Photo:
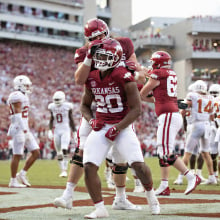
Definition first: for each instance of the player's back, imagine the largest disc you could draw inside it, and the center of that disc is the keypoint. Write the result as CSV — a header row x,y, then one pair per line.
x,y
166,93
202,106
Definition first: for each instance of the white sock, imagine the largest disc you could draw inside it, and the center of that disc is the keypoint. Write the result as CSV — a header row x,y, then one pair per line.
x,y
99,205
120,192
23,172
68,192
199,172
189,175
164,183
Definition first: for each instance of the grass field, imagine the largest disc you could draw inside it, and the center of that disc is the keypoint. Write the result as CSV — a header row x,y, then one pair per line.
x,y
46,172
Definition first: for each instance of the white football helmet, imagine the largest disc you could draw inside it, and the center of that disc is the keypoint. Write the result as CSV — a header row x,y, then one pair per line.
x,y
200,86
191,87
214,90
58,97
23,83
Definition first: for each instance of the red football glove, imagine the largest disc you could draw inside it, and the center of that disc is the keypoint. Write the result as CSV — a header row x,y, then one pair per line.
x,y
112,133
96,124
93,46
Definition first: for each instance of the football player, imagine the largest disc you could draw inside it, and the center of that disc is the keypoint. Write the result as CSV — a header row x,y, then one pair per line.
x,y
19,131
214,90
161,89
201,104
60,126
95,30
118,104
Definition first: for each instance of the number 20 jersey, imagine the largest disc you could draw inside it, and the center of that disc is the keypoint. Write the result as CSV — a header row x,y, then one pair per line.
x,y
166,93
109,94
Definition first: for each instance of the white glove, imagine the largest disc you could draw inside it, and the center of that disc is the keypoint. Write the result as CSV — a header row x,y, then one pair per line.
x,y
50,135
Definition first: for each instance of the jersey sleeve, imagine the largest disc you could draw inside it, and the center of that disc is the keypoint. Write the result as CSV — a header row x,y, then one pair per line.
x,y
15,97
127,46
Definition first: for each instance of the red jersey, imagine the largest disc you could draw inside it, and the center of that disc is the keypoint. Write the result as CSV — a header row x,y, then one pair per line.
x,y
109,94
166,93
126,44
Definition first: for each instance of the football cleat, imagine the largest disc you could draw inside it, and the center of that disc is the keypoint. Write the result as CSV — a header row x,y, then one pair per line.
x,y
22,178
162,191
15,184
124,204
192,184
153,202
98,213
63,203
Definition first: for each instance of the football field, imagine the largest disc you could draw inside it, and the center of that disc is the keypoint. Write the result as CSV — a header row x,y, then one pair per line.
x,y
36,202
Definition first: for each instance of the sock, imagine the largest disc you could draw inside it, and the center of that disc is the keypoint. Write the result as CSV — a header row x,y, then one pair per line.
x,y
68,192
120,192
164,183
189,175
199,172
99,204
23,172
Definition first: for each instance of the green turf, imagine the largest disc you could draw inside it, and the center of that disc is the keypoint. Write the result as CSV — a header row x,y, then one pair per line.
x,y
46,172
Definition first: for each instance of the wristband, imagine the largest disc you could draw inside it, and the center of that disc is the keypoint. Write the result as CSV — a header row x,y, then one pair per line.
x,y
87,61
136,75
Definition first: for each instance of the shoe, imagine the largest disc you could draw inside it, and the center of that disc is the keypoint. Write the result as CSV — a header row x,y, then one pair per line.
x,y
63,203
63,174
192,184
210,182
202,178
15,184
22,178
153,202
124,204
138,189
178,181
98,213
162,191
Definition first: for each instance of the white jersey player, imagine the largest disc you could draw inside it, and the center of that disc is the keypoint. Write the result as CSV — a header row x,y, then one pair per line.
x,y
201,105
19,131
215,131
61,122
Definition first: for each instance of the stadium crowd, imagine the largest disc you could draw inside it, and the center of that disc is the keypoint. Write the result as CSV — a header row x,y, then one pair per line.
x,y
51,68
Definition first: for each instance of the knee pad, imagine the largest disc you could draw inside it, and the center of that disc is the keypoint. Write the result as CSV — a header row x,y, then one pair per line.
x,y
78,160
170,160
163,163
119,169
